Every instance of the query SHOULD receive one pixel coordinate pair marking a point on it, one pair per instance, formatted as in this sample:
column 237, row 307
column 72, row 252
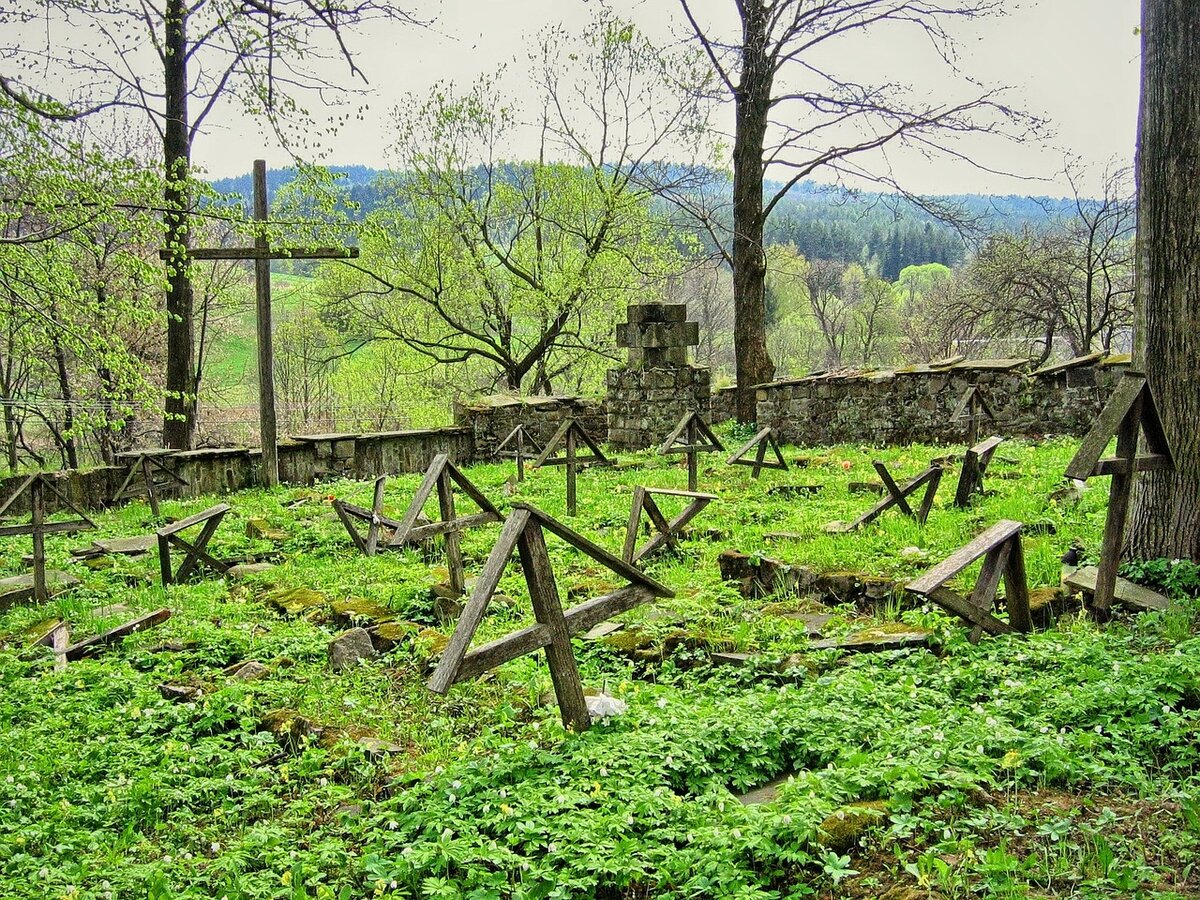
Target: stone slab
column 1126, row 592
column 19, row 588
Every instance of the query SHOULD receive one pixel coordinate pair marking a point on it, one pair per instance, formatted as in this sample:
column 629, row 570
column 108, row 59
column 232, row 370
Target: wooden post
column 521, row 455
column 454, row 558
column 973, row 420
column 693, row 438
column 269, row 435
column 571, row 472
column 37, row 503
column 1120, row 493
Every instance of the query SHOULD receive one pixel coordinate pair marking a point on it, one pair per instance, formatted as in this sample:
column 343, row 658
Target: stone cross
column 658, row 335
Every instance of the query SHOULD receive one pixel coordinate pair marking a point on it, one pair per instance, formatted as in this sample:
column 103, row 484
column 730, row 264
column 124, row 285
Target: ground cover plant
column 1057, row 764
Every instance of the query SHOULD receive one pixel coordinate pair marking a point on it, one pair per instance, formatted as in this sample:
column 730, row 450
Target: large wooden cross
column 262, row 253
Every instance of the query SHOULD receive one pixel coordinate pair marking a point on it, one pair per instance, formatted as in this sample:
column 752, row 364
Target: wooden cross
column 524, row 531
column 974, row 408
column 568, row 436
column 668, row 532
column 1131, row 409
column 195, row 551
column 897, row 496
column 974, row 467
column 443, row 475
column 262, row 253
column 518, row 438
column 148, row 464
column 374, row 516
column 38, row 527
column 1004, row 558
column 691, row 436
column 764, row 439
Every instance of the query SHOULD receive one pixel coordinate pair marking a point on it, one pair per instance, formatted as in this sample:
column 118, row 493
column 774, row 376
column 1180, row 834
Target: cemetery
column 689, row 470
column 603, row 671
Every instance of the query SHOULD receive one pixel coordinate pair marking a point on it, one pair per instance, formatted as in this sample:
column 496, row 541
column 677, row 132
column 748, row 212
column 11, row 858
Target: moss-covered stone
column 629, row 641
column 430, row 643
column 844, row 827
column 296, row 601
column 292, row 730
column 358, row 611
column 389, row 635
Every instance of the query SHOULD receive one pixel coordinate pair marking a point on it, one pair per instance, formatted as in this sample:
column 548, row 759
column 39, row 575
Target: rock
column 891, row 636
column 443, row 591
column 261, row 529
column 358, row 611
column 604, row 629
column 242, row 571
column 98, row 563
column 794, row 490
column 389, row 635
column 295, row 601
column 251, row 670
column 628, row 641
column 19, row 588
column 914, row 554
column 844, row 827
column 376, row 747
column 292, row 730
column 430, row 643
column 765, row 793
column 116, row 610
column 757, row 576
column 865, row 487
column 447, row 609
column 180, row 693
column 731, row 659
column 348, row 648
column 126, row 546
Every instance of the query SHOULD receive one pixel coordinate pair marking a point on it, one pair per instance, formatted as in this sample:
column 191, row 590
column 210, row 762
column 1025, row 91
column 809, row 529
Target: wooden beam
column 964, row 556
column 81, row 649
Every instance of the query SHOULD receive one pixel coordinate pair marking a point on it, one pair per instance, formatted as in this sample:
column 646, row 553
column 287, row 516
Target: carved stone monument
column 658, row 386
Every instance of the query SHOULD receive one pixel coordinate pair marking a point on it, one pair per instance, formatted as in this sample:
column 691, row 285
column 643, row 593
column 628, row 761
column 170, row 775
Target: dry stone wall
column 917, row 404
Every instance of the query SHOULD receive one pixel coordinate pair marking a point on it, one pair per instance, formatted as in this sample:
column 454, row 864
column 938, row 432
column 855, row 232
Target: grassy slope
column 1059, row 764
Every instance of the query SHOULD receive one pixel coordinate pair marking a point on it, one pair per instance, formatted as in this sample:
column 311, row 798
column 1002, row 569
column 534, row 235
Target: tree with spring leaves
column 797, row 113
column 172, row 63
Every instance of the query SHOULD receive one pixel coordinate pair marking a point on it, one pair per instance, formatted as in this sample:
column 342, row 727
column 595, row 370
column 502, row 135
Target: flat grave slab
column 1126, row 592
column 19, row 588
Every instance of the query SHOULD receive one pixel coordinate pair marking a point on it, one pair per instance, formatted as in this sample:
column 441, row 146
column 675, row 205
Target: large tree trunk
column 179, row 423
column 752, row 104
column 1166, row 512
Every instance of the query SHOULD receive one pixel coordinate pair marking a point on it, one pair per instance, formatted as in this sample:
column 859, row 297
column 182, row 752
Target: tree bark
column 752, row 103
column 179, row 423
column 1166, row 512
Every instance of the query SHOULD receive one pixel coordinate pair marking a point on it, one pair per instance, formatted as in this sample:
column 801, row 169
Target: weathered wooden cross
column 38, row 527
column 1131, row 409
column 443, row 475
column 1004, row 558
column 262, row 253
column 522, row 443
column 195, row 551
column 374, row 517
column 897, row 496
column 974, row 408
column 569, row 435
column 974, row 467
column 668, row 532
column 148, row 476
column 692, row 436
column 524, row 531
column 762, row 441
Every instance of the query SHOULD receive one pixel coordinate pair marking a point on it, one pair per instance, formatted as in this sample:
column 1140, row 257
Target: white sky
column 1074, row 62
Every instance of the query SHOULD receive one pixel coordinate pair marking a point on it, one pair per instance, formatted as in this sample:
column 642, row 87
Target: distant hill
column 879, row 230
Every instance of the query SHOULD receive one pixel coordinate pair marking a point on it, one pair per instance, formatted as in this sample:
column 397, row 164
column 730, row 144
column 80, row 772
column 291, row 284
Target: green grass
column 1057, row 764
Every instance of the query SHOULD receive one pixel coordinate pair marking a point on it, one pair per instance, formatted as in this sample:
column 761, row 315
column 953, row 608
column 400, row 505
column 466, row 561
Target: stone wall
column 917, row 403
column 723, row 405
column 489, row 420
column 301, row 461
column 644, row 405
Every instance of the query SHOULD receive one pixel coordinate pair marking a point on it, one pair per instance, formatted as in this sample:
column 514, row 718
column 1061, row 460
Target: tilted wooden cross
column 37, row 486
column 262, row 253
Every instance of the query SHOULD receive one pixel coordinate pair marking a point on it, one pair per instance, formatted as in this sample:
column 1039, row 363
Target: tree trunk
column 179, row 423
column 69, row 446
column 1166, row 512
column 752, row 104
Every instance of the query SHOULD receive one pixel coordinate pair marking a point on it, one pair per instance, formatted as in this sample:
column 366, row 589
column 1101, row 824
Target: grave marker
column 691, row 437
column 1130, row 410
column 765, row 439
column 668, row 532
column 1004, row 558
column 374, row 517
column 524, row 531
column 518, row 438
column 974, row 408
column 897, row 496
column 443, row 475
column 569, row 435
column 974, row 467
column 38, row 527
column 148, row 476
column 262, row 253
column 195, row 551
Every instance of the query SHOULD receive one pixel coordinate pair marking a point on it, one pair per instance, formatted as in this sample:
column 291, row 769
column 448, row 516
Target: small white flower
column 661, row 703
column 393, row 825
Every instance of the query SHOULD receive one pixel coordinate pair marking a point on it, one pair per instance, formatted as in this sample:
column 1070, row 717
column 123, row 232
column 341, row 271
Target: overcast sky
column 1075, row 62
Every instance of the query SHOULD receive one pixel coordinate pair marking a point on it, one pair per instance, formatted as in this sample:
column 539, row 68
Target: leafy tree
column 520, row 269
column 794, row 113
column 1166, row 515
column 173, row 64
